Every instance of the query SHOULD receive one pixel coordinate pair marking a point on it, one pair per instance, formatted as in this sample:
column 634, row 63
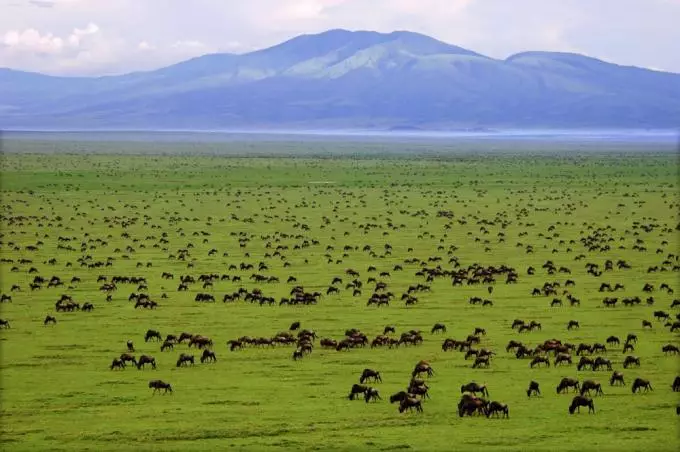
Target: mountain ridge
column 353, row 78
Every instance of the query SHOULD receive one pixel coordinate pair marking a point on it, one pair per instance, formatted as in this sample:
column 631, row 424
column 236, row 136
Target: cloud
column 56, row 35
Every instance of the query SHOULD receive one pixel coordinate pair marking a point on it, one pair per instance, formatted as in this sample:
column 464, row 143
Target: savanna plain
column 439, row 231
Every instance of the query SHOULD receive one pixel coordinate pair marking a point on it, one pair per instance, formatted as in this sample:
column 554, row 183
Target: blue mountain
column 347, row 79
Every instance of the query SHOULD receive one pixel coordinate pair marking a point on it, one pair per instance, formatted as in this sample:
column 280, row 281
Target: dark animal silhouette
column 157, row 385
column 641, row 383
column 579, row 401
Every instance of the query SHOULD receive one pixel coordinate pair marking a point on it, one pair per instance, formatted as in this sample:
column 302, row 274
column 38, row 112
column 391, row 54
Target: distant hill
column 343, row 79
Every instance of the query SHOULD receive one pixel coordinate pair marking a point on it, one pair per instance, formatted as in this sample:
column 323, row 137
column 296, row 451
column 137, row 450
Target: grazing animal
column 369, row 374
column 497, row 408
column 130, row 346
column 630, row 361
column 152, row 334
column 410, row 403
column 567, row 383
column 294, row 326
column 49, row 319
column 573, row 324
column 589, row 385
column 670, row 348
column 157, row 385
column 185, row 360
column 208, row 356
column 422, row 367
column 617, row 377
column 533, row 389
column 579, row 401
column 4, row 323
column 372, row 394
column 438, row 328
column 356, row 390
column 146, row 359
column 474, row 388
column 117, row 363
column 641, row 383
column 399, row 396
column 539, row 359
column 562, row 358
column 481, row 361
column 676, row 384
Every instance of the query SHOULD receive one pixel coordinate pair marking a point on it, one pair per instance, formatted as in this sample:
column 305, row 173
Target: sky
column 104, row 37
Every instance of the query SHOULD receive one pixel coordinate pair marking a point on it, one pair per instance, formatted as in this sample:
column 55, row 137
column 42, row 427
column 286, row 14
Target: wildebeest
column 676, row 384
column 371, row 394
column 474, row 388
column 601, row 362
column 438, row 328
column 589, row 385
column 579, row 401
column 613, row 340
column 573, row 324
column 157, row 385
column 497, row 408
column 617, row 377
column 4, row 323
column 152, row 334
column 146, row 359
column 567, row 383
column 294, row 326
column 184, row 360
column 410, row 403
column 539, row 359
column 630, row 361
column 562, row 358
column 422, row 367
column 117, row 363
column 670, row 348
column 369, row 374
column 208, row 356
column 481, row 361
column 533, row 388
column 49, row 319
column 641, row 383
column 356, row 390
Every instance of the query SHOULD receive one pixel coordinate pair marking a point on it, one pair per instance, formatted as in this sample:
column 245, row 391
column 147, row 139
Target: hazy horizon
column 96, row 37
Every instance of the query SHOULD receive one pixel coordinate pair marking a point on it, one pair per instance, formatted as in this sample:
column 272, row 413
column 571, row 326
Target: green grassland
column 57, row 392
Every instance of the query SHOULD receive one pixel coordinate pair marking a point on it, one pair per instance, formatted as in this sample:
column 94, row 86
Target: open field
column 313, row 219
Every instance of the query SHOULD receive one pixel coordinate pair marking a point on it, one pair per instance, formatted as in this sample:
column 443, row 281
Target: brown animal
column 497, row 408
column 410, row 403
column 368, row 374
column 617, row 377
column 117, row 364
column 630, row 361
column 641, row 383
column 533, row 388
column 157, row 385
column 579, row 401
column 589, row 385
column 208, row 356
column 356, row 390
column 146, row 359
column 567, row 383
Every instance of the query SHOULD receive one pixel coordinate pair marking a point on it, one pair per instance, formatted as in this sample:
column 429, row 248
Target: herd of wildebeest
column 375, row 287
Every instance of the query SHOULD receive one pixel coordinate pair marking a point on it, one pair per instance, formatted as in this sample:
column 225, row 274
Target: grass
column 57, row 392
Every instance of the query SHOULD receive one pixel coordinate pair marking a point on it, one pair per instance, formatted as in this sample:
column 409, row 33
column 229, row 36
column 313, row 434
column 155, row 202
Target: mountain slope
column 352, row 79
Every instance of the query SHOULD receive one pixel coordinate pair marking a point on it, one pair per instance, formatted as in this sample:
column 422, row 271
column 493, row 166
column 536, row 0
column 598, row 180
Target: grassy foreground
column 57, row 392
